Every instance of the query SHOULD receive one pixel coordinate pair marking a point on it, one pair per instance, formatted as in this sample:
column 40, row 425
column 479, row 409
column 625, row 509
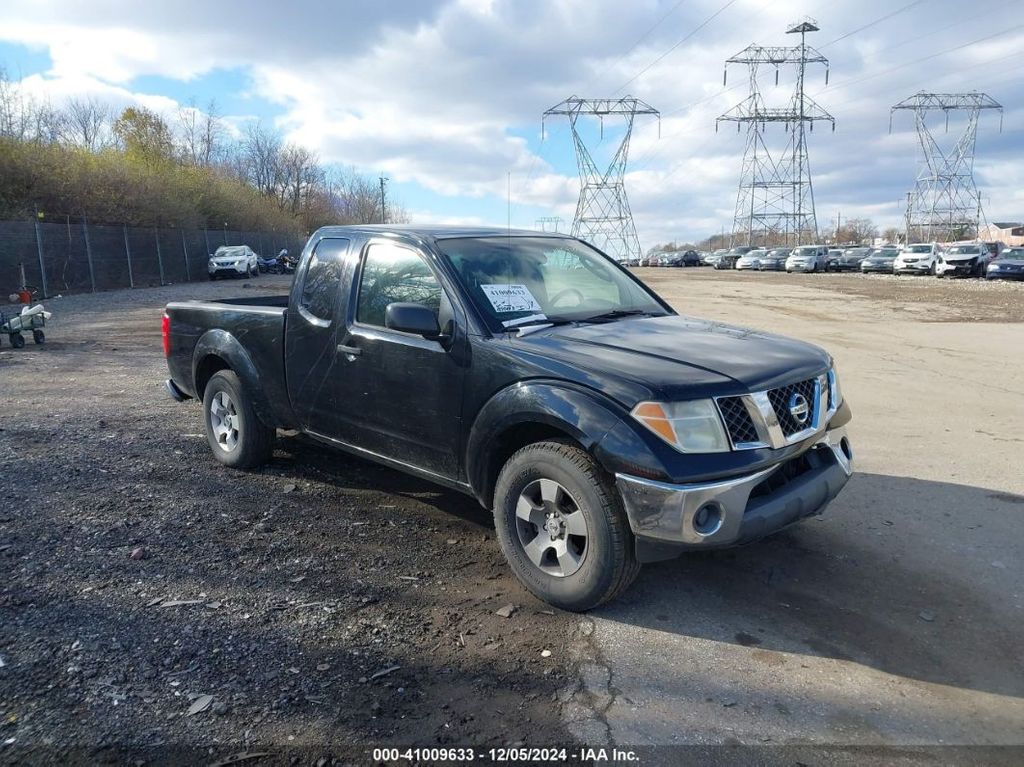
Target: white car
column 917, row 258
column 751, row 260
column 968, row 260
column 807, row 258
column 233, row 261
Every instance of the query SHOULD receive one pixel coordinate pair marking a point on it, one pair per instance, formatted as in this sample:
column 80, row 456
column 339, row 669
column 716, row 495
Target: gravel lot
column 151, row 597
column 322, row 601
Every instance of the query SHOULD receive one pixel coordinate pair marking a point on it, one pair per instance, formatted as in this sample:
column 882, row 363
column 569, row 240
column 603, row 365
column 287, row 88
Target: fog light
column 708, row 519
column 847, row 450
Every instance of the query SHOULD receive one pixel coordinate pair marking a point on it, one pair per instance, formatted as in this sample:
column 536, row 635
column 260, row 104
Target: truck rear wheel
column 237, row 436
column 561, row 526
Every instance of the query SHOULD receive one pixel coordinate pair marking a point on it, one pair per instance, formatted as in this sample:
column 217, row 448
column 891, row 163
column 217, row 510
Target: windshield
column 229, row 252
column 973, row 249
column 919, row 249
column 804, row 251
column 1013, row 253
column 885, row 253
column 518, row 280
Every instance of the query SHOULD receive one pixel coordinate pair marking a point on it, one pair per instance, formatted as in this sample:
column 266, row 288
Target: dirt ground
column 328, row 605
column 892, row 621
column 322, row 601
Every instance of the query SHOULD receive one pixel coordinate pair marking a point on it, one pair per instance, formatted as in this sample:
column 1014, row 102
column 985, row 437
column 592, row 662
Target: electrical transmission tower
column 945, row 204
column 602, row 213
column 549, row 223
column 775, row 201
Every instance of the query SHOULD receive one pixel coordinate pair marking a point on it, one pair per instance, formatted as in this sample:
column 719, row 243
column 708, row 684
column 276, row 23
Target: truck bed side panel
column 248, row 336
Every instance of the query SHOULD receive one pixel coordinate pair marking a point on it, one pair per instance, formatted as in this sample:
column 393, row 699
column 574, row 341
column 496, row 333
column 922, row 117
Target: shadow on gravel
column 300, row 456
column 844, row 592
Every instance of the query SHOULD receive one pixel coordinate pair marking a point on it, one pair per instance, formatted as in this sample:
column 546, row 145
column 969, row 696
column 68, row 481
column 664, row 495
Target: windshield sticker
column 528, row 320
column 511, row 298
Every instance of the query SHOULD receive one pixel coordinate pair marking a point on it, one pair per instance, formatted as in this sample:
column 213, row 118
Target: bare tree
column 49, row 125
column 261, row 159
column 300, row 174
column 201, row 134
column 86, row 123
column 15, row 119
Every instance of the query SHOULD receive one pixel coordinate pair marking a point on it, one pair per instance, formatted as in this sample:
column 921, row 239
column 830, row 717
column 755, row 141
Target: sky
column 445, row 97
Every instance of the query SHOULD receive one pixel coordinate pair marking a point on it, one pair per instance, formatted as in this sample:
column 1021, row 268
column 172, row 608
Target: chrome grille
column 780, row 399
column 737, row 420
column 765, row 419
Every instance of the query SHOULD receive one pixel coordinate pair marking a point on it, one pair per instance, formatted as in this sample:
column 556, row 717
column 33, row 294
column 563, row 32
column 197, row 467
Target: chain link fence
column 76, row 256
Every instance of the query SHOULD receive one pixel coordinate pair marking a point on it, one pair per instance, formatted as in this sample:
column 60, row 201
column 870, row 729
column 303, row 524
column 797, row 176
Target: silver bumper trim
column 669, row 512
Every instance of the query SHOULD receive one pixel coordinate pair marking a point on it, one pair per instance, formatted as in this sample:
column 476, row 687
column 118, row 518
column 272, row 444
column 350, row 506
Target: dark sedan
column 1009, row 266
column 880, row 260
column 774, row 260
column 729, row 259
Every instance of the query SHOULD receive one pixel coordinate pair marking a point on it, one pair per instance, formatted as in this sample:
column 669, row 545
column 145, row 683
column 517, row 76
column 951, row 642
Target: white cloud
column 439, row 94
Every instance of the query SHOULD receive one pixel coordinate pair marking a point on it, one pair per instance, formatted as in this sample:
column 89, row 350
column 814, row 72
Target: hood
column 677, row 357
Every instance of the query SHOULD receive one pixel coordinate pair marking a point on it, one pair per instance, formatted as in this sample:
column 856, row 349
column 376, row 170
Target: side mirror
column 412, row 318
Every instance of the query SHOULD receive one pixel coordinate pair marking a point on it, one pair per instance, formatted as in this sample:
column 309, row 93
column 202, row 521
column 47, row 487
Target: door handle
column 351, row 351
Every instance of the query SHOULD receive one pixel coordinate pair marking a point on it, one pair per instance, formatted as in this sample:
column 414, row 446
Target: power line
column 642, row 37
column 886, row 17
column 701, row 26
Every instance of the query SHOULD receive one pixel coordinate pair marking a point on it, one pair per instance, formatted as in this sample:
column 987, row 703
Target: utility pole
column 775, row 200
column 945, row 201
column 602, row 214
column 383, row 200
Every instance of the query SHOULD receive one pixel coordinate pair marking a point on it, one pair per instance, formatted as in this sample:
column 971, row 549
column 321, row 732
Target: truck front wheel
column 561, row 526
column 237, row 436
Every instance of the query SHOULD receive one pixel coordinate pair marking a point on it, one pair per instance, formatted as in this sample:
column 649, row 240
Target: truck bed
column 250, row 329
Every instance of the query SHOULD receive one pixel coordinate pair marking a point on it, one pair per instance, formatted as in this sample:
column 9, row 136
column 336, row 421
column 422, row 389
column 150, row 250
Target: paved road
column 894, row 619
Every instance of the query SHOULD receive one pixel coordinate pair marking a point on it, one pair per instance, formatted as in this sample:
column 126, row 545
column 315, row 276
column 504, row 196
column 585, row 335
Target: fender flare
column 220, row 343
column 583, row 414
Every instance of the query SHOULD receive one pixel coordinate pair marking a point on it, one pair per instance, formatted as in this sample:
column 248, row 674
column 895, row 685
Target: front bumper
column 882, row 268
column 667, row 519
column 965, row 270
column 1004, row 274
column 914, row 268
column 234, row 269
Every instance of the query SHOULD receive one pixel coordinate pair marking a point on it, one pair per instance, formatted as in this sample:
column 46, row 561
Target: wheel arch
column 531, row 412
column 218, row 350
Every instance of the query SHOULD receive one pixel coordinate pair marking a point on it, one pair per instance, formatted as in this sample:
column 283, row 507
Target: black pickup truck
column 535, row 373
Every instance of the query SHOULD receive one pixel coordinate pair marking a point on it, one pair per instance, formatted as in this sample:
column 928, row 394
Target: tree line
column 189, row 169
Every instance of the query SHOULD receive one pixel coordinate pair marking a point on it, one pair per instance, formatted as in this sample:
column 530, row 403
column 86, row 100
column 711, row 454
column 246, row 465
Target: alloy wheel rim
column 224, row 421
column 551, row 527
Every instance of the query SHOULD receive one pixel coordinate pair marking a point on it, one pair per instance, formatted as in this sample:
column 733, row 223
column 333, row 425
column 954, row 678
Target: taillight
column 165, row 331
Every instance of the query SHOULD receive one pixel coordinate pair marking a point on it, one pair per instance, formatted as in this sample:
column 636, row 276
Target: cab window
column 321, row 284
column 392, row 273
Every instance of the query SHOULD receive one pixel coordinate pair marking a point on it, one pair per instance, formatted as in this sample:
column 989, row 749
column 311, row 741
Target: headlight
column 835, row 394
column 689, row 427
column 993, row 267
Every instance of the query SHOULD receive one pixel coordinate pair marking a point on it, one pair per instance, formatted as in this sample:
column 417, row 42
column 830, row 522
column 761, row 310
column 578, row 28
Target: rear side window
column 392, row 274
column 322, row 284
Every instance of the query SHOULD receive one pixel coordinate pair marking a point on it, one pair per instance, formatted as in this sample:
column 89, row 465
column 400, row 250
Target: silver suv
column 807, row 258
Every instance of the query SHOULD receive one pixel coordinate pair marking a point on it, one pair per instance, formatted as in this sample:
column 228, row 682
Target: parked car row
column 675, row 258
column 242, row 261
column 968, row 259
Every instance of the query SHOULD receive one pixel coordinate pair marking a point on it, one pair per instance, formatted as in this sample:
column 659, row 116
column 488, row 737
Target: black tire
column 254, row 443
column 609, row 563
column 17, row 340
column 213, row 278
column 39, row 336
column 933, row 270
